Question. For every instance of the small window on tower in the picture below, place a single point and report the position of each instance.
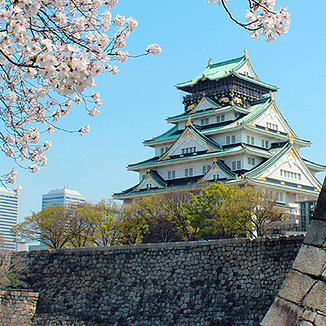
(207, 121)
(228, 140)
(204, 169)
(162, 150)
(233, 139)
(252, 141)
(249, 160)
(253, 161)
(202, 122)
(169, 175)
(173, 174)
(222, 117)
(238, 165)
(191, 172)
(218, 118)
(234, 165)
(248, 140)
(186, 172)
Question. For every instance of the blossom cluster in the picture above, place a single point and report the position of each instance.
(261, 17)
(50, 53)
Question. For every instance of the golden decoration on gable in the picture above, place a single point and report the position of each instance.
(237, 100)
(215, 160)
(290, 138)
(271, 95)
(191, 107)
(188, 123)
(224, 99)
(245, 53)
(209, 62)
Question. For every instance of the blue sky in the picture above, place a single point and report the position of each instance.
(138, 99)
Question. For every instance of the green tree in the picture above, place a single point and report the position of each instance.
(82, 226)
(263, 212)
(108, 230)
(48, 226)
(133, 225)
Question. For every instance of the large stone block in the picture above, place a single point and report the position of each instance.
(282, 313)
(310, 260)
(296, 286)
(315, 299)
(316, 234)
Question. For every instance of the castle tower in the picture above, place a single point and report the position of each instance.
(231, 131)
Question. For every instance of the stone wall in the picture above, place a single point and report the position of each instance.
(219, 282)
(301, 300)
(17, 307)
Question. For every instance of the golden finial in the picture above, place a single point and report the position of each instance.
(215, 160)
(148, 170)
(209, 62)
(290, 138)
(271, 95)
(188, 123)
(245, 53)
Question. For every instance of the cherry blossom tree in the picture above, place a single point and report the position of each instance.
(261, 17)
(50, 53)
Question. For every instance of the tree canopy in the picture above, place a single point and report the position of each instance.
(218, 211)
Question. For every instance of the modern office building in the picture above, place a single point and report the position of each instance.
(232, 131)
(8, 218)
(62, 196)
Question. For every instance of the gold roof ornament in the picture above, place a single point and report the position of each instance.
(148, 170)
(188, 123)
(215, 159)
(271, 95)
(245, 53)
(209, 62)
(290, 138)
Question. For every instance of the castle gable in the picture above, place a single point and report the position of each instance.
(288, 168)
(191, 141)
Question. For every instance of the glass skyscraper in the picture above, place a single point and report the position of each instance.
(8, 218)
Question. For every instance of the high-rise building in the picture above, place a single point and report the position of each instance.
(8, 218)
(231, 131)
(62, 197)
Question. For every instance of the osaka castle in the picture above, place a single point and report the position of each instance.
(232, 131)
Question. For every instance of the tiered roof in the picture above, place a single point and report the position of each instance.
(251, 108)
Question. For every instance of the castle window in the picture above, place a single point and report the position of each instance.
(249, 160)
(202, 122)
(262, 143)
(191, 172)
(222, 117)
(233, 139)
(252, 141)
(162, 150)
(253, 161)
(171, 174)
(248, 140)
(186, 172)
(204, 169)
(218, 118)
(228, 140)
(207, 121)
(234, 165)
(266, 143)
(238, 165)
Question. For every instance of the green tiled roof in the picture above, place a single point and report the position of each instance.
(225, 150)
(170, 134)
(265, 165)
(316, 165)
(222, 70)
